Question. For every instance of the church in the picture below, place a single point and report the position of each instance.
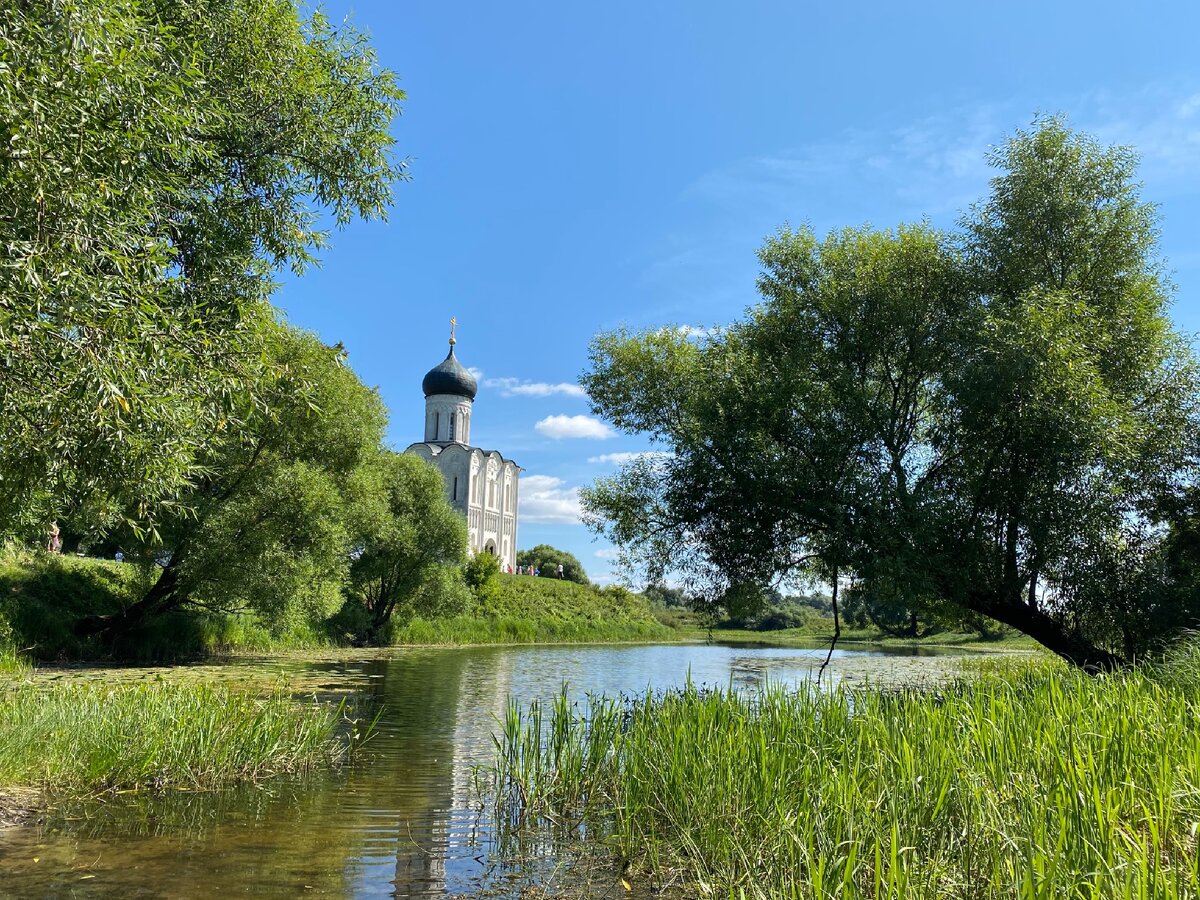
(480, 484)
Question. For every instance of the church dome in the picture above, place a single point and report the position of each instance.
(449, 377)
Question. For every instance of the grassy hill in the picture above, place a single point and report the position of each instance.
(41, 595)
(525, 609)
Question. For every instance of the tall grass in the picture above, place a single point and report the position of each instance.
(1018, 783)
(12, 662)
(73, 738)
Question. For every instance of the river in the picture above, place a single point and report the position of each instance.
(402, 820)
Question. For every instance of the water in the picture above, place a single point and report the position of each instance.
(402, 821)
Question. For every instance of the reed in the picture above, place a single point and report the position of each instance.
(11, 662)
(1022, 782)
(87, 738)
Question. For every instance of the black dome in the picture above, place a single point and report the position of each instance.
(449, 377)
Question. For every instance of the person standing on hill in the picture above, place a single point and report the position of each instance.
(560, 571)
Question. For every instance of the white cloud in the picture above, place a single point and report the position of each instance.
(515, 387)
(545, 499)
(937, 165)
(559, 427)
(619, 459)
(608, 553)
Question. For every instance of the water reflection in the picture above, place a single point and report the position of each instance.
(402, 821)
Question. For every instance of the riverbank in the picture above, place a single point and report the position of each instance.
(870, 637)
(1023, 780)
(43, 595)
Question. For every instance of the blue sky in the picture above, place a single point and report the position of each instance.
(581, 166)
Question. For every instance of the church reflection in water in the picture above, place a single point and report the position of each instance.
(401, 821)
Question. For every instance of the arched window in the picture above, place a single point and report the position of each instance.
(453, 418)
(437, 425)
(454, 495)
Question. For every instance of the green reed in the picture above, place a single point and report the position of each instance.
(82, 738)
(1022, 782)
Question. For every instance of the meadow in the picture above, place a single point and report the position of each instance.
(1018, 780)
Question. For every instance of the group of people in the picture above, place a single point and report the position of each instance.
(533, 570)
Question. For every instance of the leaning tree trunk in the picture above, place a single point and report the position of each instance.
(164, 595)
(1047, 631)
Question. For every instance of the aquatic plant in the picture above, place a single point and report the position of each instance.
(83, 737)
(1023, 781)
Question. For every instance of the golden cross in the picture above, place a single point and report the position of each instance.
(453, 326)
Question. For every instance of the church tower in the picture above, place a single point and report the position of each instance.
(480, 484)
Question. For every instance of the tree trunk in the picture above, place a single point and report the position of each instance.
(160, 598)
(1047, 631)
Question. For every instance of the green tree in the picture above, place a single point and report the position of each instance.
(548, 559)
(977, 419)
(409, 543)
(482, 576)
(661, 594)
(162, 160)
(270, 525)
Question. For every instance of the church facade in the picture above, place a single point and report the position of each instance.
(481, 484)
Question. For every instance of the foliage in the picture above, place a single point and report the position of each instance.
(482, 575)
(990, 423)
(921, 793)
(268, 529)
(547, 559)
(782, 612)
(880, 606)
(81, 738)
(661, 594)
(163, 158)
(42, 595)
(408, 542)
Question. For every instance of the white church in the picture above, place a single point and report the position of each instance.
(480, 484)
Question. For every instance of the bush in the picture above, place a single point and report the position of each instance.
(481, 575)
(548, 559)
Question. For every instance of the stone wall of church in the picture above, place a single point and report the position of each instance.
(492, 513)
(483, 486)
(447, 418)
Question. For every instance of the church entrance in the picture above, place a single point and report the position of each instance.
(490, 547)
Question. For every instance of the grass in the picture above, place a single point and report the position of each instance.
(1023, 781)
(462, 630)
(42, 595)
(528, 610)
(79, 738)
(11, 662)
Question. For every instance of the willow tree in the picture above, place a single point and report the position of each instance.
(982, 419)
(409, 544)
(161, 160)
(268, 527)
